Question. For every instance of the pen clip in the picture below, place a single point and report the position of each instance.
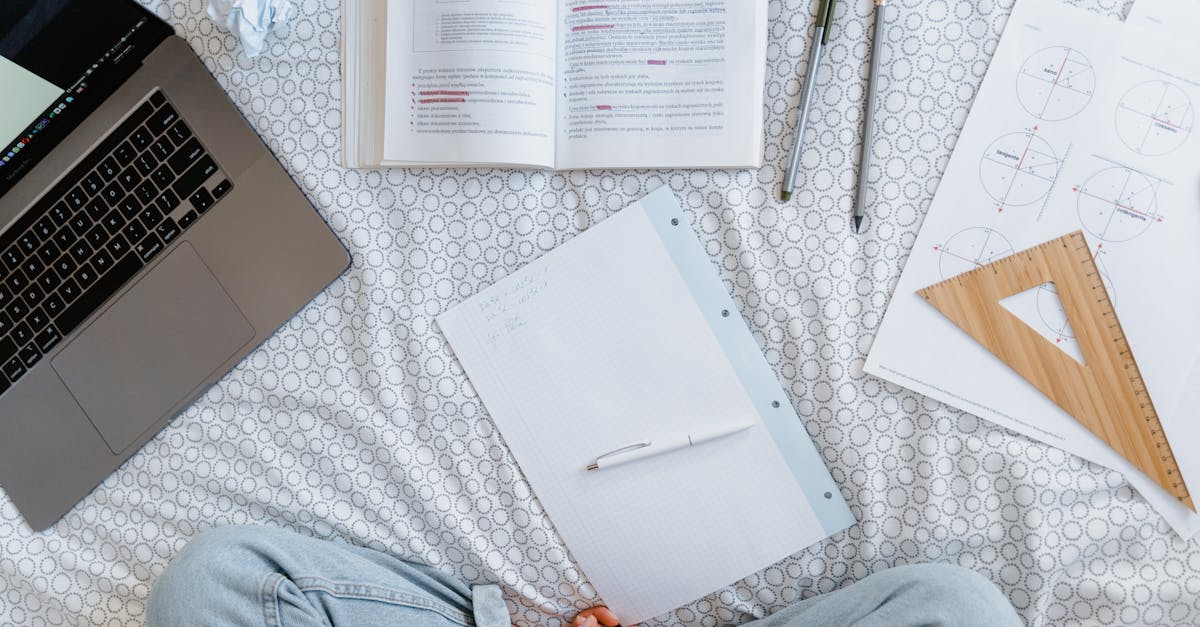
(826, 20)
(624, 449)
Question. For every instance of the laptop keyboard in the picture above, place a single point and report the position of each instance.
(134, 194)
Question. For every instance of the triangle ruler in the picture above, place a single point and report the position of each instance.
(1108, 394)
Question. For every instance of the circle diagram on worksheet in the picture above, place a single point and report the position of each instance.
(1018, 169)
(1154, 118)
(1118, 204)
(971, 248)
(1050, 307)
(1056, 83)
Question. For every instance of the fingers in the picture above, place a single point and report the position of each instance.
(601, 614)
(586, 621)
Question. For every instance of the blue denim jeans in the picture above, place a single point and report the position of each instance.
(260, 576)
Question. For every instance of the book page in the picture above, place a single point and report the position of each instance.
(661, 83)
(470, 81)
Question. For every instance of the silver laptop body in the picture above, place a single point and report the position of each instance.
(227, 249)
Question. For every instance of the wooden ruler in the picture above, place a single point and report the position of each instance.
(1108, 394)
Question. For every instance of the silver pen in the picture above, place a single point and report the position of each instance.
(820, 38)
(864, 163)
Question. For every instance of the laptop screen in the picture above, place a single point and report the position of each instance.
(59, 59)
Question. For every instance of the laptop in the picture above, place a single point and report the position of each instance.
(149, 240)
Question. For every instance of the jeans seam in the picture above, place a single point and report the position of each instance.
(377, 593)
(270, 600)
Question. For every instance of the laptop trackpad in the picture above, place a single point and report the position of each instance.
(153, 348)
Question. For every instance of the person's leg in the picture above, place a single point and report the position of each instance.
(924, 594)
(264, 576)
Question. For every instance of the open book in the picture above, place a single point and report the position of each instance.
(561, 84)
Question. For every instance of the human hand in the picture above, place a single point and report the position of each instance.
(598, 616)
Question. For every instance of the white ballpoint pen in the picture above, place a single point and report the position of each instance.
(659, 446)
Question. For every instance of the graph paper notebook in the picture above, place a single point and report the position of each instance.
(623, 334)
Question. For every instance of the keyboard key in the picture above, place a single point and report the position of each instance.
(37, 319)
(109, 169)
(162, 148)
(49, 281)
(60, 213)
(117, 246)
(188, 153)
(222, 188)
(47, 340)
(113, 222)
(44, 228)
(146, 192)
(200, 172)
(167, 201)
(92, 183)
(129, 178)
(163, 176)
(4, 385)
(33, 266)
(168, 230)
(96, 208)
(85, 276)
(158, 99)
(149, 247)
(8, 349)
(145, 163)
(80, 223)
(16, 310)
(162, 119)
(76, 198)
(16, 281)
(49, 252)
(21, 333)
(32, 295)
(97, 237)
(92, 299)
(129, 207)
(65, 266)
(30, 355)
(179, 133)
(124, 153)
(141, 138)
(112, 193)
(151, 216)
(28, 243)
(102, 261)
(188, 219)
(134, 231)
(202, 200)
(12, 257)
(80, 252)
(5, 324)
(53, 305)
(14, 369)
(69, 292)
(65, 237)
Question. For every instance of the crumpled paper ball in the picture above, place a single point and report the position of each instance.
(251, 20)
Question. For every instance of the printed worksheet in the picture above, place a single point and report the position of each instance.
(1082, 123)
(1179, 18)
